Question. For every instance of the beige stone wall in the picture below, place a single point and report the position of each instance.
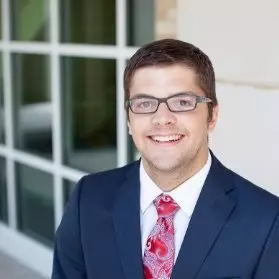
(165, 19)
(241, 38)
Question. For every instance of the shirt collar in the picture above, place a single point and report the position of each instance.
(186, 195)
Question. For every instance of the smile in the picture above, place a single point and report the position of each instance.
(166, 139)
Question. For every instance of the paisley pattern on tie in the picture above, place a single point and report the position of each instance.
(159, 250)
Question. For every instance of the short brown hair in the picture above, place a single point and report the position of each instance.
(168, 52)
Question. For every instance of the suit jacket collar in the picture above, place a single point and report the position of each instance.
(213, 209)
(127, 224)
(211, 213)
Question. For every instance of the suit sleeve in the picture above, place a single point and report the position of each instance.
(68, 259)
(268, 266)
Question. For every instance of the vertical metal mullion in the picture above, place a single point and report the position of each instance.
(122, 139)
(8, 112)
(56, 105)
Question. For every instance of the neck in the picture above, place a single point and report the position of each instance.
(171, 179)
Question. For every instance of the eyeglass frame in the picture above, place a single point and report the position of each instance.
(199, 99)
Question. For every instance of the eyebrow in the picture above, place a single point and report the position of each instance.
(144, 95)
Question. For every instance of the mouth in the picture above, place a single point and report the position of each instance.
(166, 139)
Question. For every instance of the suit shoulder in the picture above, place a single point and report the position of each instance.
(254, 194)
(103, 184)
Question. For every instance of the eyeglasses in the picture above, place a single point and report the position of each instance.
(176, 103)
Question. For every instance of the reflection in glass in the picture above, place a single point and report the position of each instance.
(69, 187)
(35, 203)
(89, 113)
(2, 130)
(30, 20)
(141, 22)
(3, 191)
(88, 21)
(32, 104)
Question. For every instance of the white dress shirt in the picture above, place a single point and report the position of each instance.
(186, 196)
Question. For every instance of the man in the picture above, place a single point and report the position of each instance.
(177, 212)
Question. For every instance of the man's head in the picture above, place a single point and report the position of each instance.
(169, 52)
(173, 134)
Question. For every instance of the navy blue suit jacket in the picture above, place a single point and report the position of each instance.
(233, 232)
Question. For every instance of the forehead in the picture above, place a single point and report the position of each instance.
(162, 81)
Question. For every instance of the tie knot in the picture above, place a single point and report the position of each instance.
(165, 205)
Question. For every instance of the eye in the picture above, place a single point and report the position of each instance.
(185, 103)
(182, 103)
(145, 104)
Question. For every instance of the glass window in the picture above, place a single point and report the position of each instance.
(140, 25)
(32, 104)
(3, 191)
(89, 113)
(30, 20)
(2, 130)
(35, 203)
(88, 21)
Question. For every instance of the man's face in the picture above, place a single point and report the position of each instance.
(166, 140)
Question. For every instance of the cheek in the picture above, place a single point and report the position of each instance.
(136, 127)
(195, 124)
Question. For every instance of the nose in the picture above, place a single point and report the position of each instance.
(163, 116)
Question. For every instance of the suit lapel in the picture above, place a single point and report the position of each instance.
(210, 215)
(127, 225)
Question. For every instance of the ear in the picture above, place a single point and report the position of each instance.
(214, 118)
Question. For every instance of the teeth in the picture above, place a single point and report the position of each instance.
(166, 138)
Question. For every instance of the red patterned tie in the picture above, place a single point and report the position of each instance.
(159, 250)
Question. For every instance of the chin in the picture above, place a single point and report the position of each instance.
(163, 164)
